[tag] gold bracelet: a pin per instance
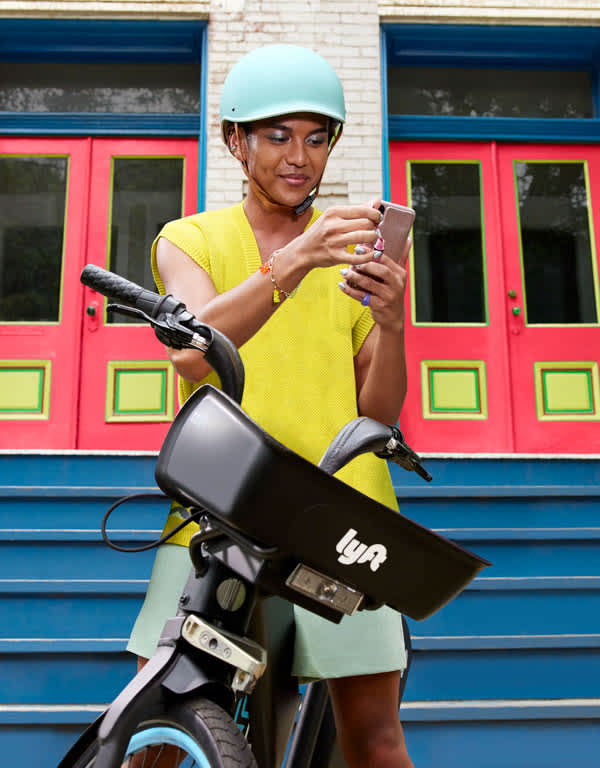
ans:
(268, 267)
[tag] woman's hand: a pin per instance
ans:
(380, 284)
(325, 242)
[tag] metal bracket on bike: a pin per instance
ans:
(324, 589)
(400, 453)
(249, 658)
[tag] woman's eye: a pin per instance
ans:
(278, 138)
(316, 141)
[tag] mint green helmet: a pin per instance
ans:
(280, 80)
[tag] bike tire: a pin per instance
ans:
(200, 735)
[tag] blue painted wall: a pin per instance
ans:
(506, 675)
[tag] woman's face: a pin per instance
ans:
(287, 155)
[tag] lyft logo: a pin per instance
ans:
(353, 551)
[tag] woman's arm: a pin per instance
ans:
(380, 368)
(380, 365)
(240, 312)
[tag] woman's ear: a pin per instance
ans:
(237, 143)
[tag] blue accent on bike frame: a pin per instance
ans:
(241, 714)
(510, 47)
(165, 735)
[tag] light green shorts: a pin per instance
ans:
(363, 644)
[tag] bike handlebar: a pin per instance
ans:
(365, 435)
(173, 325)
(117, 287)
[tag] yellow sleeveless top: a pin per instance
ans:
(300, 384)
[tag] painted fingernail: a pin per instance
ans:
(379, 245)
(378, 232)
(342, 286)
(360, 250)
(366, 300)
(377, 255)
(344, 271)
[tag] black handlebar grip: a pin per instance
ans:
(117, 287)
(361, 435)
(222, 354)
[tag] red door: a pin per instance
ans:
(550, 199)
(503, 337)
(127, 384)
(43, 209)
(69, 376)
(457, 356)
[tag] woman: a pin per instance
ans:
(319, 349)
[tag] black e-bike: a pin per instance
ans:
(273, 530)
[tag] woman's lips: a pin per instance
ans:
(295, 180)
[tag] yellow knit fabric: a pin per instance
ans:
(300, 384)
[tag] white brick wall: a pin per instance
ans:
(114, 9)
(346, 33)
(492, 11)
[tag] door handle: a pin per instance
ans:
(92, 315)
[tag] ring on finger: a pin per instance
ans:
(366, 300)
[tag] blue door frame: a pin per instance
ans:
(74, 40)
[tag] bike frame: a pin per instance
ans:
(230, 614)
(179, 669)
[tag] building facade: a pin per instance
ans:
(484, 115)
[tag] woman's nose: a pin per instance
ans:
(296, 153)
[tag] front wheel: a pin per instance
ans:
(195, 735)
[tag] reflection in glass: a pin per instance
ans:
(555, 242)
(100, 87)
(32, 214)
(447, 234)
(147, 192)
(483, 92)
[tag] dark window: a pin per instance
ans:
(146, 193)
(32, 213)
(484, 92)
(166, 88)
(448, 243)
(556, 243)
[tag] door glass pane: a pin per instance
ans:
(555, 243)
(32, 215)
(146, 193)
(482, 92)
(448, 243)
(100, 87)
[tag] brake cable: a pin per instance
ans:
(161, 540)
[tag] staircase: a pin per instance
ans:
(505, 676)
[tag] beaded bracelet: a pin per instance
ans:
(268, 267)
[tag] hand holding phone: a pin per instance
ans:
(395, 227)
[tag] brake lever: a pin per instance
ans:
(402, 454)
(167, 329)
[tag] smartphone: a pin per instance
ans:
(395, 227)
